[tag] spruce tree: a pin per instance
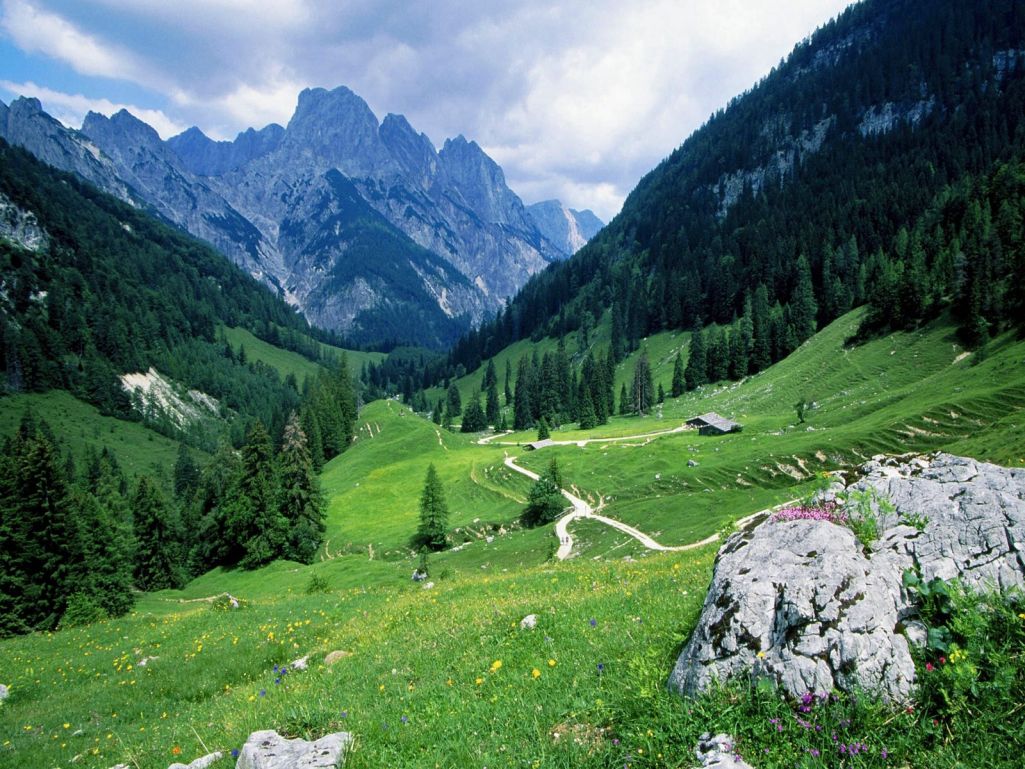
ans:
(254, 520)
(544, 503)
(542, 429)
(695, 374)
(678, 384)
(159, 557)
(102, 557)
(430, 534)
(186, 474)
(474, 419)
(522, 410)
(302, 503)
(625, 405)
(643, 389)
(455, 405)
(803, 307)
(492, 411)
(661, 393)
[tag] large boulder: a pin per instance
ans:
(805, 604)
(269, 750)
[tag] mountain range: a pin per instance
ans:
(362, 224)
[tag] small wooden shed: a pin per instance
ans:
(538, 444)
(714, 424)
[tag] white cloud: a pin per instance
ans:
(38, 31)
(71, 109)
(576, 99)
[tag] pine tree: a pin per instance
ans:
(492, 411)
(102, 556)
(761, 330)
(508, 383)
(186, 474)
(455, 404)
(159, 557)
(803, 307)
(661, 393)
(302, 503)
(624, 401)
(544, 503)
(430, 534)
(474, 419)
(543, 431)
(679, 383)
(695, 374)
(522, 408)
(254, 519)
(643, 389)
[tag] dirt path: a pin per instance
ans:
(584, 441)
(581, 509)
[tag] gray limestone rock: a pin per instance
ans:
(4, 692)
(269, 750)
(718, 752)
(803, 603)
(200, 763)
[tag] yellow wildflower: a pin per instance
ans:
(535, 673)
(478, 680)
(496, 666)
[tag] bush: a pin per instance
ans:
(317, 584)
(82, 610)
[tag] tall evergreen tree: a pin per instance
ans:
(254, 520)
(454, 404)
(696, 374)
(474, 419)
(492, 411)
(643, 389)
(679, 383)
(157, 532)
(803, 307)
(302, 503)
(431, 532)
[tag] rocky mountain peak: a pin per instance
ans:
(335, 129)
(205, 157)
(413, 151)
(481, 182)
(121, 127)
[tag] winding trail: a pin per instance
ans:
(581, 509)
(584, 441)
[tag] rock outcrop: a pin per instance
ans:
(804, 603)
(269, 750)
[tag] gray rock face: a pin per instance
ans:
(205, 157)
(801, 602)
(4, 692)
(718, 753)
(200, 763)
(269, 750)
(24, 124)
(456, 239)
(21, 227)
(567, 229)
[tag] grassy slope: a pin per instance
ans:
(287, 362)
(419, 654)
(79, 426)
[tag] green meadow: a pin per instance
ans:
(445, 676)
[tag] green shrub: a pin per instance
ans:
(82, 610)
(317, 584)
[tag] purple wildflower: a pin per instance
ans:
(827, 511)
(263, 692)
(405, 719)
(594, 622)
(234, 752)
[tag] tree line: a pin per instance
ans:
(76, 544)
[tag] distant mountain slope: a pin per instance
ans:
(92, 289)
(800, 199)
(568, 229)
(453, 203)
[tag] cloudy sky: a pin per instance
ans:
(575, 99)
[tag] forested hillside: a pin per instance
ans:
(92, 290)
(879, 164)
